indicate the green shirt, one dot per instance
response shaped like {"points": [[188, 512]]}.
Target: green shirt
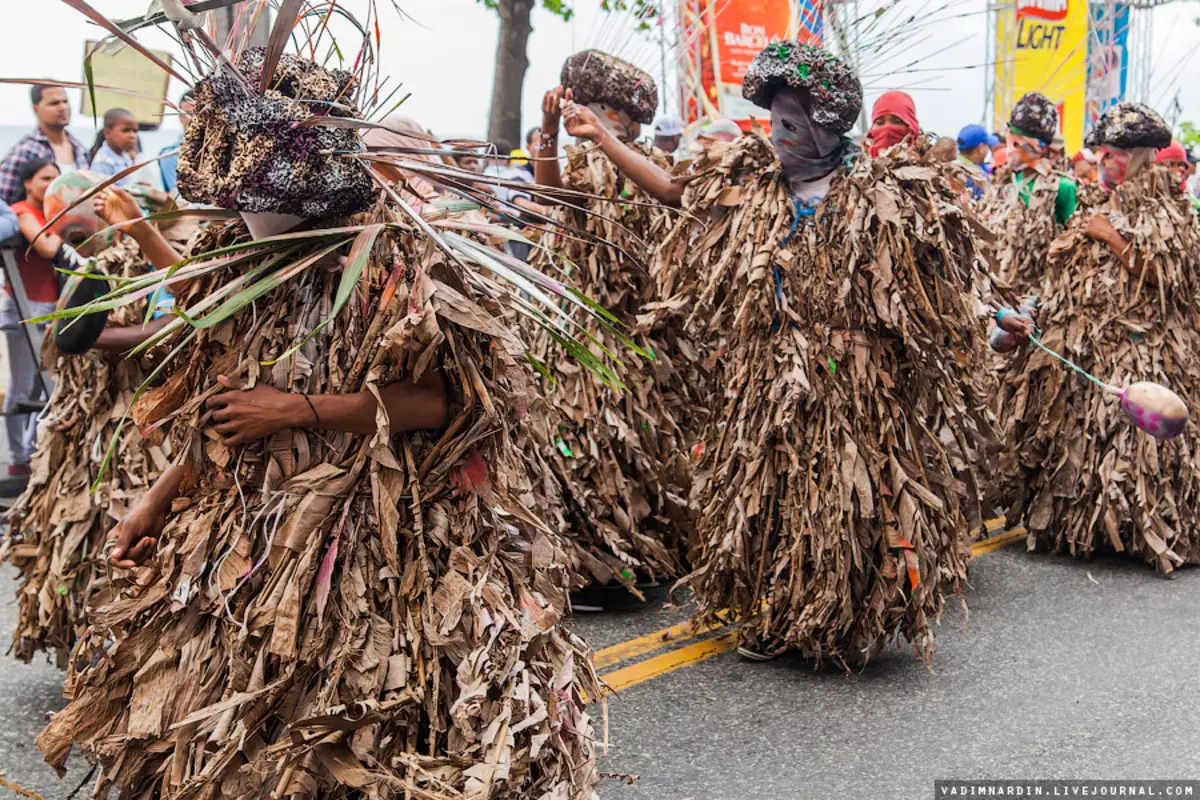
{"points": [[1065, 202]]}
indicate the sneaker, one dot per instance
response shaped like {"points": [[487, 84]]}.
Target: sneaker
{"points": [[750, 652], [19, 470], [584, 608]]}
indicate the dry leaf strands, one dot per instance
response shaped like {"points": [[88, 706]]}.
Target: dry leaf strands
{"points": [[618, 459], [335, 615], [1025, 230], [1088, 480], [840, 478], [58, 525]]}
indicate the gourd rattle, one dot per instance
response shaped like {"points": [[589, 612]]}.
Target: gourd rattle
{"points": [[1150, 406]]}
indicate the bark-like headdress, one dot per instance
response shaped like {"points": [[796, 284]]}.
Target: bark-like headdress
{"points": [[243, 150], [1128, 126], [834, 90], [1034, 115], [596, 77]]}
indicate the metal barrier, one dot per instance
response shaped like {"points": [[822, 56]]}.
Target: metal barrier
{"points": [[33, 336]]}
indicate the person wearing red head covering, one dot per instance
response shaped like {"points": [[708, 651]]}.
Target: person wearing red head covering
{"points": [[1174, 156], [893, 120], [1084, 166]]}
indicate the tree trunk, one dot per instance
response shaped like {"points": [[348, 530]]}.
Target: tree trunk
{"points": [[504, 121]]}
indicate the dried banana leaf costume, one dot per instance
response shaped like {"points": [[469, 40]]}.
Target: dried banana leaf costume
{"points": [[831, 515], [335, 615], [58, 525], [1089, 480], [620, 458], [1027, 213]]}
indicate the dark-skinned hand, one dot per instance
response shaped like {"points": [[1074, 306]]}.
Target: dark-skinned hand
{"points": [[133, 540], [241, 416], [580, 121]]}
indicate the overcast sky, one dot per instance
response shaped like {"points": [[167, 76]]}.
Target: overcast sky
{"points": [[444, 56]]}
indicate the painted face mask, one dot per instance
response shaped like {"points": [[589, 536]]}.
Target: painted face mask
{"points": [[618, 123], [806, 150], [1027, 152], [1114, 166]]}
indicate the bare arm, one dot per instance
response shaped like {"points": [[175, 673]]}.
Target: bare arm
{"points": [[530, 205], [244, 416], [653, 179], [582, 123], [155, 247], [546, 169], [47, 245], [117, 207], [1101, 229], [134, 538], [120, 338]]}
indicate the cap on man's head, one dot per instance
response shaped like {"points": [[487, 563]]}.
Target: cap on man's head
{"points": [[971, 136], [667, 127]]}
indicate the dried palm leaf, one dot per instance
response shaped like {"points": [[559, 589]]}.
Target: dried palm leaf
{"points": [[839, 476], [1089, 481]]}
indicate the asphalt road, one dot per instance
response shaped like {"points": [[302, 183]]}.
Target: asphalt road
{"points": [[1056, 675]]}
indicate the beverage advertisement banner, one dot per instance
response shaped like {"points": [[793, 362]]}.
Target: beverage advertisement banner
{"points": [[1042, 47]]}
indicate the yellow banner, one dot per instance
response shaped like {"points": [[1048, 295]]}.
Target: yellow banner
{"points": [[1041, 46]]}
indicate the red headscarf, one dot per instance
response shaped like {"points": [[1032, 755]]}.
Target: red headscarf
{"points": [[1174, 153], [898, 104]]}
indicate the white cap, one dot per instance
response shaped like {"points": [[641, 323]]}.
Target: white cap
{"points": [[668, 126]]}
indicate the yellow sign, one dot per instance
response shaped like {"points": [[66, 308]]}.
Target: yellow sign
{"points": [[1041, 46], [126, 68]]}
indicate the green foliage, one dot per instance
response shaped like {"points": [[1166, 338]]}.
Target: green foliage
{"points": [[643, 10], [1189, 135], [561, 8]]}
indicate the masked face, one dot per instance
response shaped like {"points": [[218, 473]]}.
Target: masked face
{"points": [[1026, 151], [806, 151], [886, 133], [1114, 166], [1181, 171], [618, 123]]}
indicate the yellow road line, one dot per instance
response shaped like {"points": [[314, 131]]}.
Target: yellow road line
{"points": [[998, 541], [694, 653], [642, 645], [670, 661]]}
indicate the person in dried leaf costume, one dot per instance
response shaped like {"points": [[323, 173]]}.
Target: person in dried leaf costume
{"points": [[1028, 203], [58, 524], [334, 591], [835, 492], [1118, 298], [621, 457]]}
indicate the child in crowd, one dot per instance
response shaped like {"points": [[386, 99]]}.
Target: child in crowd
{"points": [[116, 145]]}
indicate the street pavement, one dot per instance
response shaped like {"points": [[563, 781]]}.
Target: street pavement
{"points": [[1054, 675]]}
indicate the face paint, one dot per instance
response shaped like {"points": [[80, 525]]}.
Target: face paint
{"points": [[618, 123], [1180, 171], [1026, 151], [1114, 163], [806, 151]]}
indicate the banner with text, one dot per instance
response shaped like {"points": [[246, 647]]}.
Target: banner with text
{"points": [[724, 36], [1043, 48], [1108, 60]]}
